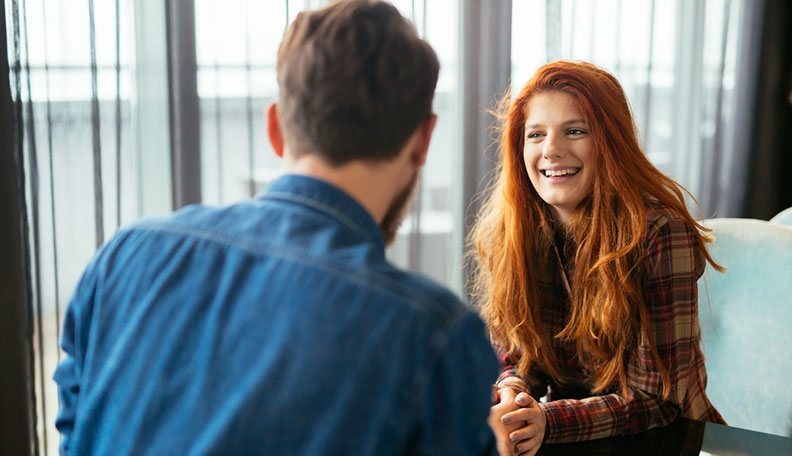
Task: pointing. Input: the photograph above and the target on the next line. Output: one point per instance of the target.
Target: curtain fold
(65, 81)
(17, 352)
(487, 59)
(766, 160)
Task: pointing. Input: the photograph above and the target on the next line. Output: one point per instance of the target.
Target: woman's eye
(575, 131)
(533, 135)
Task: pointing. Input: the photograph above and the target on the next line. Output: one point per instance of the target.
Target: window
(675, 60)
(78, 134)
(236, 45)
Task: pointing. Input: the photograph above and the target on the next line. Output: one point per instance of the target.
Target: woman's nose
(552, 147)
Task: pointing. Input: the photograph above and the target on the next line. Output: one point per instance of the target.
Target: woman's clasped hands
(518, 423)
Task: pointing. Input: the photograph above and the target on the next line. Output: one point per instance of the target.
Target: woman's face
(558, 152)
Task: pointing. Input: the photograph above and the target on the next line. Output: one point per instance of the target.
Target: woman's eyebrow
(565, 124)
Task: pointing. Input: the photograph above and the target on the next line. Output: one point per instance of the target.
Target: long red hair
(512, 238)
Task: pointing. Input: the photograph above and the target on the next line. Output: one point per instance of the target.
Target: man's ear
(274, 129)
(425, 131)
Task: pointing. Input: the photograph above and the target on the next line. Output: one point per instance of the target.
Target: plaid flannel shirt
(672, 267)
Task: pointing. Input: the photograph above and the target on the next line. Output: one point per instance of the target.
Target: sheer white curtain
(678, 63)
(82, 90)
(236, 46)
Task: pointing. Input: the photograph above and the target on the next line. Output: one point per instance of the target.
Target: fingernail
(505, 420)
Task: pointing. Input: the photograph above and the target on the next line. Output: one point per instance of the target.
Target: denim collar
(322, 196)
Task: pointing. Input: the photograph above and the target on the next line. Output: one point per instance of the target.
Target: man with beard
(276, 325)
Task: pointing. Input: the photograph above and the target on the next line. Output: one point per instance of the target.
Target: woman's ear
(274, 129)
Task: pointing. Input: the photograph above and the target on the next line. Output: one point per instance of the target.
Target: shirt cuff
(555, 417)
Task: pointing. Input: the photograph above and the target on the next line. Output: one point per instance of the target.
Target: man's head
(356, 87)
(355, 82)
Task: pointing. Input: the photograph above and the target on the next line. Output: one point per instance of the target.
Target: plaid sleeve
(509, 377)
(508, 371)
(670, 294)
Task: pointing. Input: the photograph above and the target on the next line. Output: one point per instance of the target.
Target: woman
(587, 261)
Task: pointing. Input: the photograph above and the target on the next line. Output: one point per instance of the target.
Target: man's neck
(366, 183)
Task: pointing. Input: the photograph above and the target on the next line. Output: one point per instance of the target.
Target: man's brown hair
(355, 81)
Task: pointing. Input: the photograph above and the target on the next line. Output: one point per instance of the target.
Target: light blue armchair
(784, 217)
(746, 324)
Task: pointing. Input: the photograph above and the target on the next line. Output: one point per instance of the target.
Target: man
(276, 326)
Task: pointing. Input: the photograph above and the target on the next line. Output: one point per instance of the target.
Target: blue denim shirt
(274, 326)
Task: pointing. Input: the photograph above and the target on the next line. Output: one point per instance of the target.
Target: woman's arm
(509, 377)
(670, 294)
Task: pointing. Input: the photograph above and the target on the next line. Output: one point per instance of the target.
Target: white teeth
(560, 172)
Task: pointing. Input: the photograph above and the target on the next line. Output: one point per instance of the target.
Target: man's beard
(398, 210)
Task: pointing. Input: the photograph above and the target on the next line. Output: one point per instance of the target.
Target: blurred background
(123, 109)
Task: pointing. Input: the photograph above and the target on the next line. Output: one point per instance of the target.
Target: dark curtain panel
(185, 120)
(769, 183)
(17, 401)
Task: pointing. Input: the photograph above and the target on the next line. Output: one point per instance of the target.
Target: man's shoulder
(238, 223)
(427, 297)
(195, 216)
(144, 238)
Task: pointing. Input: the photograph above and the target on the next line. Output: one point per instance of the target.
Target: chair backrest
(784, 217)
(746, 324)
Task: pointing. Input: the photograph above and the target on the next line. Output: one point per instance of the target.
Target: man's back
(274, 326)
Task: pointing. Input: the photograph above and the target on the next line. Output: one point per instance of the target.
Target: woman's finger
(526, 446)
(524, 433)
(506, 395)
(523, 414)
(524, 400)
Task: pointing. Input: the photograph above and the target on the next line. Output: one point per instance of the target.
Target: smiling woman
(557, 152)
(587, 266)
